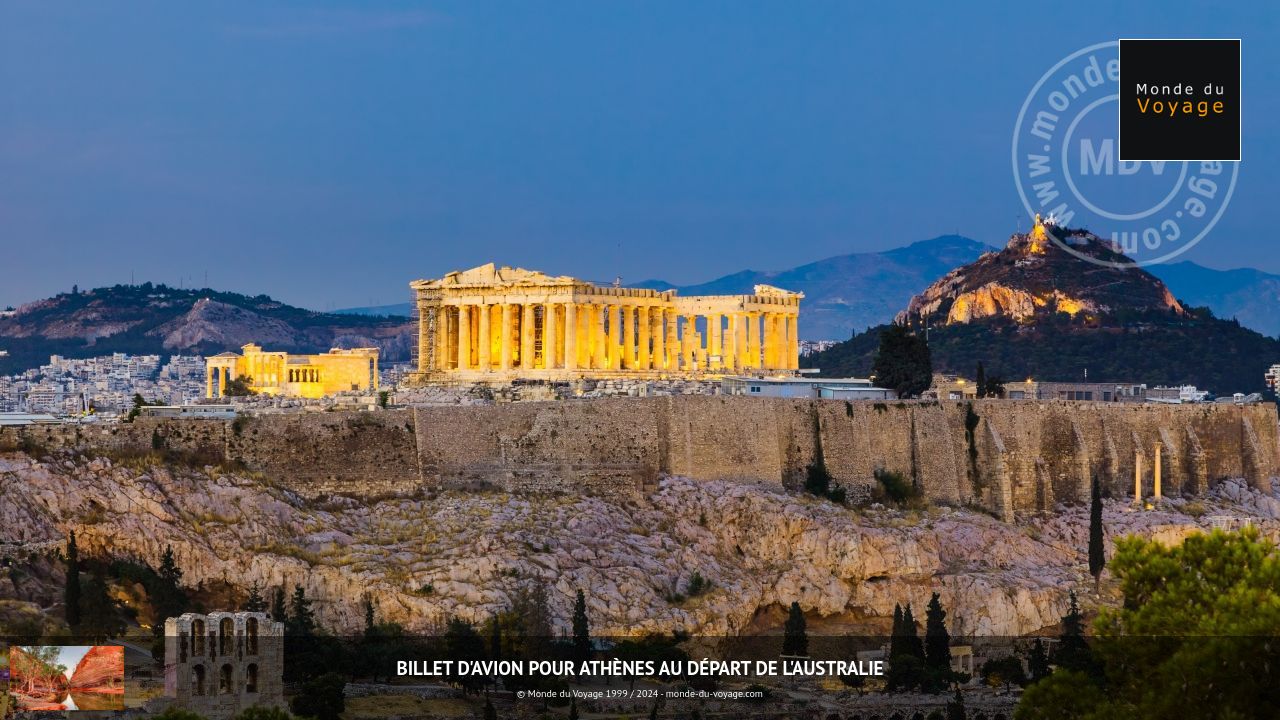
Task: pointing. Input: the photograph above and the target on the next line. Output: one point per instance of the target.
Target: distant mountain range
(155, 319)
(849, 293)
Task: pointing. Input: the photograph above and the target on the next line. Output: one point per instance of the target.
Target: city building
(282, 373)
(1273, 378)
(952, 387)
(1177, 395)
(207, 412)
(492, 324)
(801, 387)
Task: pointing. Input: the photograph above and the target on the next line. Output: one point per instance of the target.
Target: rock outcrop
(1036, 275)
(100, 670)
(430, 556)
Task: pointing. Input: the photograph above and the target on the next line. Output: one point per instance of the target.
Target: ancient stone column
(657, 316)
(424, 337)
(715, 345)
(599, 341)
(464, 337)
(1155, 491)
(753, 340)
(614, 359)
(1137, 478)
(628, 337)
(570, 336)
(794, 341)
(485, 344)
(208, 381)
(527, 342)
(222, 381)
(642, 344)
(673, 339)
(550, 341)
(444, 338)
(505, 338)
(729, 346)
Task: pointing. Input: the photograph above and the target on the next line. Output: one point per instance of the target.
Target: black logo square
(1179, 99)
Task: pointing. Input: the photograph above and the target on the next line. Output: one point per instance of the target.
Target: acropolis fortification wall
(1012, 457)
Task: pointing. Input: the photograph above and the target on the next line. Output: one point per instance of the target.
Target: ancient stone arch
(219, 664)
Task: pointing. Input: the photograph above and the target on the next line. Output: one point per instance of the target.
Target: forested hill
(1160, 349)
(156, 319)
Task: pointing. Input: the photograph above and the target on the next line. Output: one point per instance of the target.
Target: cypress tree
(495, 639)
(278, 612)
(981, 381)
(1097, 555)
(368, 616)
(71, 596)
(895, 638)
(795, 640)
(302, 620)
(581, 629)
(937, 645)
(911, 635)
(255, 602)
(1038, 662)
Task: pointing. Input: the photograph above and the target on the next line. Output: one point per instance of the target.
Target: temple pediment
(771, 291)
(490, 275)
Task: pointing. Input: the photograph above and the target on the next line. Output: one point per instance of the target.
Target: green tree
(903, 363)
(464, 645)
(1003, 671)
(937, 646)
(581, 630)
(240, 386)
(255, 602)
(367, 601)
(1073, 652)
(71, 594)
(907, 669)
(278, 611)
(980, 381)
(176, 713)
(301, 621)
(321, 698)
(1194, 636)
(1037, 662)
(495, 639)
(257, 712)
(955, 708)
(1097, 551)
(98, 614)
(795, 639)
(168, 599)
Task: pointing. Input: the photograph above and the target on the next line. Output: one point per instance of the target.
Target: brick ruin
(221, 663)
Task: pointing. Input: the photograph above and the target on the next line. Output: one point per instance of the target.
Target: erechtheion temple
(273, 372)
(501, 324)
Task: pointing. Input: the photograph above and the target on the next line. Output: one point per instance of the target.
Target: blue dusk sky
(328, 153)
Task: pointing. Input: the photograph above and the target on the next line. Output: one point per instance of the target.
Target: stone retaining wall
(1008, 456)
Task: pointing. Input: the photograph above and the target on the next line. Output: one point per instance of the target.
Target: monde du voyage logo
(1134, 140)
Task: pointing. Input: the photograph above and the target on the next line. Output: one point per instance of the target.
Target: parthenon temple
(499, 324)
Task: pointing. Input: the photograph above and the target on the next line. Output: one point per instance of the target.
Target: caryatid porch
(501, 324)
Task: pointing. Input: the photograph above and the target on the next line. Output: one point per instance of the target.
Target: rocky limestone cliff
(427, 557)
(101, 669)
(1034, 275)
